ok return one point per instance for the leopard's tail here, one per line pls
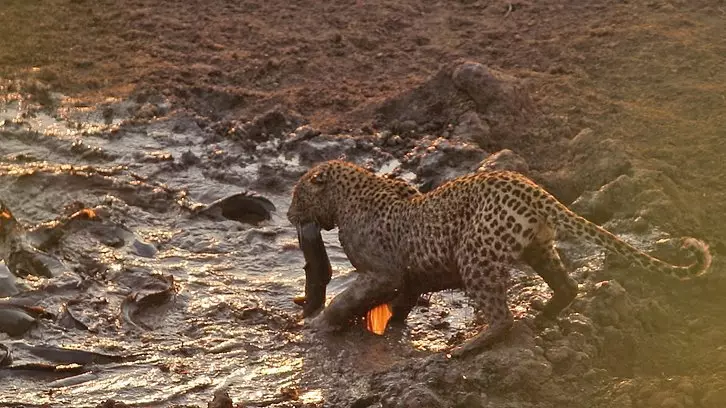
(580, 227)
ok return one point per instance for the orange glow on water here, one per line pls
(377, 318)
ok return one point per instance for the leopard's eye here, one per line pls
(318, 178)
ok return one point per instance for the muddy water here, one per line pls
(231, 322)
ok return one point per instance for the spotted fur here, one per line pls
(466, 234)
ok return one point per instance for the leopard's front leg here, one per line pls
(366, 292)
(404, 302)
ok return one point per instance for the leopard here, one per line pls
(468, 233)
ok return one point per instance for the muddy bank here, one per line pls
(155, 272)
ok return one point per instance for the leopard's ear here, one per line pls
(319, 178)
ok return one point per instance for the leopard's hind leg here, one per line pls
(486, 282)
(542, 256)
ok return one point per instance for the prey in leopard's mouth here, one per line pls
(318, 271)
(315, 206)
(318, 274)
(308, 220)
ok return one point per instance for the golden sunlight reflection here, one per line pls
(430, 344)
(287, 365)
(86, 212)
(311, 397)
(377, 318)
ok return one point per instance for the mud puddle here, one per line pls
(230, 322)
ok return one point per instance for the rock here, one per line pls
(528, 374)
(444, 160)
(583, 140)
(477, 81)
(551, 334)
(504, 160)
(14, 320)
(593, 206)
(111, 403)
(664, 399)
(7, 282)
(432, 105)
(419, 396)
(578, 323)
(618, 352)
(559, 355)
(594, 374)
(622, 401)
(714, 397)
(221, 400)
(458, 88)
(577, 341)
(149, 111)
(472, 400)
(365, 401)
(326, 147)
(394, 140)
(686, 387)
(272, 124)
(602, 162)
(670, 402)
(643, 196)
(189, 159)
(610, 289)
(472, 129)
(611, 304)
(592, 163)
(404, 128)
(142, 248)
(654, 316)
(305, 132)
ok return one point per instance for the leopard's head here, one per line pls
(313, 199)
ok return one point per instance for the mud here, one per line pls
(151, 114)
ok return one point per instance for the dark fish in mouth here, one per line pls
(318, 271)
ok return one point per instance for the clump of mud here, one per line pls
(468, 100)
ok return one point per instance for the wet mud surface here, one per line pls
(148, 150)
